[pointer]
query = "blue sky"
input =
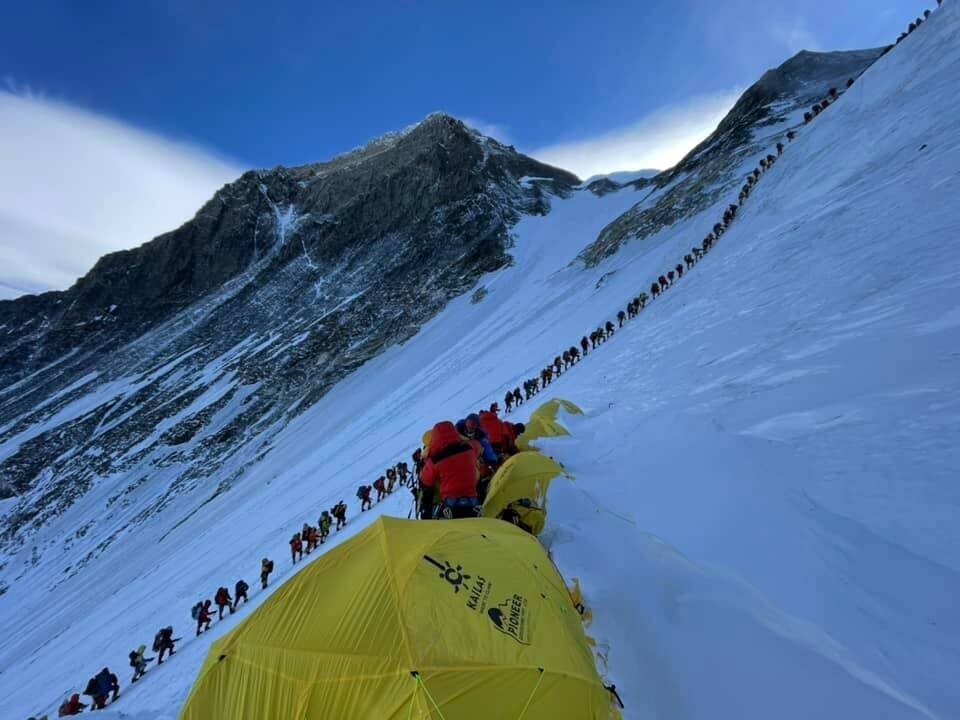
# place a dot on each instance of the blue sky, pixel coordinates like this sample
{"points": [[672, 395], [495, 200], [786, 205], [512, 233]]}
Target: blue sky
{"points": [[256, 84]]}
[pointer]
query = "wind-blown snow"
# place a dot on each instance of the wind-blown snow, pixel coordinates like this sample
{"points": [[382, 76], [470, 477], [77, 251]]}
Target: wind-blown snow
{"points": [[764, 511]]}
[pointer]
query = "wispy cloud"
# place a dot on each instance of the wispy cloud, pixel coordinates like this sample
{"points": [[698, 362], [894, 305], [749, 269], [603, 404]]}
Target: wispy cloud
{"points": [[75, 185], [494, 130], [658, 140]]}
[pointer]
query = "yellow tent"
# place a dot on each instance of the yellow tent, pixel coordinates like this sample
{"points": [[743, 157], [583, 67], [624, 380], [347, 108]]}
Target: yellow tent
{"points": [[446, 620], [526, 475], [543, 422]]}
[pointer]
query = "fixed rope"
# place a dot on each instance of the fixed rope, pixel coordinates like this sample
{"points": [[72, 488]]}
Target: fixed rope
{"points": [[413, 701], [532, 693], [416, 676]]}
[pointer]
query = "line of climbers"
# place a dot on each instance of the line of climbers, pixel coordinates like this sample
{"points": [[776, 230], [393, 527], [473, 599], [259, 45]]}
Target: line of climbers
{"points": [[451, 474], [384, 485], [514, 398], [914, 25], [571, 356]]}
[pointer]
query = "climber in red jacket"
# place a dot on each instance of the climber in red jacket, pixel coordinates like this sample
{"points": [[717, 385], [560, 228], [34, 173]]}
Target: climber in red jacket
{"points": [[73, 706], [493, 427], [511, 432], [451, 468]]}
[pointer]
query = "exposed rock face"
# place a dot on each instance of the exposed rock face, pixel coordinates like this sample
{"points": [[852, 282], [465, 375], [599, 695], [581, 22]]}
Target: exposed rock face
{"points": [[712, 170], [190, 351]]}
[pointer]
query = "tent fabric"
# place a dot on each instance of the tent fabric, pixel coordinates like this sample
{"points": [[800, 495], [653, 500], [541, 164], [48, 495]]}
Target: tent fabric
{"points": [[524, 475], [543, 422], [474, 607]]}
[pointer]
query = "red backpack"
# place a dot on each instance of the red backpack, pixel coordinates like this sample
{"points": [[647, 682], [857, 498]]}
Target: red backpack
{"points": [[493, 427]]}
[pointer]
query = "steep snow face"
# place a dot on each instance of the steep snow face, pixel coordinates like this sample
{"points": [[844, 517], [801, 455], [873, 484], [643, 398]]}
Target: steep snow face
{"points": [[764, 512]]}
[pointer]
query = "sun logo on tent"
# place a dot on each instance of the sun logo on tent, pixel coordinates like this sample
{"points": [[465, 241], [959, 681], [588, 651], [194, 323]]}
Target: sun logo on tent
{"points": [[453, 575]]}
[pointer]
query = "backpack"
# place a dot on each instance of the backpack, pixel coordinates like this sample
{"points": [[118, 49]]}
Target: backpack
{"points": [[133, 659], [270, 566], [157, 639], [195, 612], [360, 491]]}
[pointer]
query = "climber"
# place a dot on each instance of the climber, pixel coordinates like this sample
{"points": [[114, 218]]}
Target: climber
{"points": [[296, 548], [417, 457], [138, 662], [451, 468], [517, 397], [492, 426], [565, 356], [508, 401], [339, 511], [380, 486], [471, 429], [663, 283], [807, 118], [100, 686], [584, 344], [654, 289], [325, 522], [223, 600], [670, 275], [791, 135], [266, 567], [203, 615], [609, 328], [558, 366], [363, 494], [403, 472], [593, 340], [511, 431], [679, 269], [688, 259], [164, 642], [391, 480], [71, 707], [621, 318]]}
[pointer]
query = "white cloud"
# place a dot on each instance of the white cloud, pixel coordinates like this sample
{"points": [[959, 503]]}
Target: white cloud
{"points": [[493, 130], [658, 140], [75, 185]]}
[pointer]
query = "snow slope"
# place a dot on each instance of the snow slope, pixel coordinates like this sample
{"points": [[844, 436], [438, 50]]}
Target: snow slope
{"points": [[764, 512]]}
